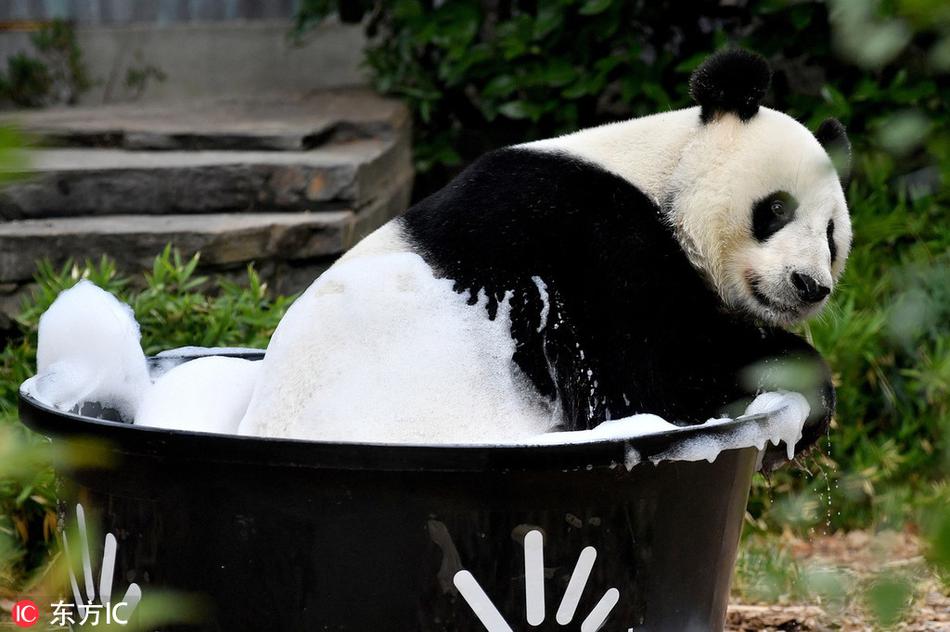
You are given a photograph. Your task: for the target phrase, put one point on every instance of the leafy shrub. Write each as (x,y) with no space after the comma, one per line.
(27,81)
(479,74)
(55,75)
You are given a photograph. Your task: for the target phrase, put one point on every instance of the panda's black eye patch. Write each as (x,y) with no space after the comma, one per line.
(772,213)
(831,240)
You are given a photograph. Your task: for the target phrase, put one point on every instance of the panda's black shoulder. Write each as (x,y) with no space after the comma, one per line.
(522,178)
(525,208)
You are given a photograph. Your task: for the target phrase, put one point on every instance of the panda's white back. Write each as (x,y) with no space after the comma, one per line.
(380,350)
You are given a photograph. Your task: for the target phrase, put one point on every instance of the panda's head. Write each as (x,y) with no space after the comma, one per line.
(757,199)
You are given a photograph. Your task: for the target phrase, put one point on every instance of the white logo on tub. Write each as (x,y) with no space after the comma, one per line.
(491,618)
(90,608)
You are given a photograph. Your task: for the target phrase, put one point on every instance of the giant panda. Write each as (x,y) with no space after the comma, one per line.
(645,266)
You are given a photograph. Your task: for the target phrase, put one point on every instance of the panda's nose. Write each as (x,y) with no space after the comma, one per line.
(809,290)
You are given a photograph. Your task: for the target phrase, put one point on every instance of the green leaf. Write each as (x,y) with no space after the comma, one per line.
(593,7)
(558,73)
(500,86)
(518,110)
(550,17)
(888,598)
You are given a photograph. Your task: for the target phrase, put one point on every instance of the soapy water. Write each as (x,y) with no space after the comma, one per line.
(362,356)
(783,416)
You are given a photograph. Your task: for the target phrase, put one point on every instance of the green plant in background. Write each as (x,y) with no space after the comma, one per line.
(479,74)
(55,75)
(174,308)
(26,82)
(58,47)
(139,76)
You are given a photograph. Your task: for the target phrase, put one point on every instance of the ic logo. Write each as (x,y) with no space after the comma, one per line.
(25,613)
(492,619)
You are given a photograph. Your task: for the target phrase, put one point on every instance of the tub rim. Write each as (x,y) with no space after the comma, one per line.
(189,445)
(163,443)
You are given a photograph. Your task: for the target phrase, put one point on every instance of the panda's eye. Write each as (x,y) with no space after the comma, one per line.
(772,213)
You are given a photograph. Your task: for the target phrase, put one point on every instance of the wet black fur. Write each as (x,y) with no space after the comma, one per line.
(633,327)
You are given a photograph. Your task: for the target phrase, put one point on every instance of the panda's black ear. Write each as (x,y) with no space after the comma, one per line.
(833,137)
(731,80)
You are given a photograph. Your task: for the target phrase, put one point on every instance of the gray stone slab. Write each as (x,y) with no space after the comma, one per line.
(223,239)
(285,122)
(133,241)
(80,182)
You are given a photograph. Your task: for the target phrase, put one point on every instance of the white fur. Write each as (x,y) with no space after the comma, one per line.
(708,177)
(386,239)
(378,350)
(643,151)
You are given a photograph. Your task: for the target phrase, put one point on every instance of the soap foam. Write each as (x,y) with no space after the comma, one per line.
(208,394)
(380,350)
(613,430)
(786,414)
(89,351)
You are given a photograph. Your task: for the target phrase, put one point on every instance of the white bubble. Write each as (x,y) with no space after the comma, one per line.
(89,351)
(208,394)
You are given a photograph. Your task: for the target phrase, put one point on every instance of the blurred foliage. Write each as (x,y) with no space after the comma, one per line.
(479,74)
(55,75)
(879,584)
(13,160)
(174,308)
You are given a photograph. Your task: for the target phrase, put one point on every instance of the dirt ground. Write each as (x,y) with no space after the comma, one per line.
(863,558)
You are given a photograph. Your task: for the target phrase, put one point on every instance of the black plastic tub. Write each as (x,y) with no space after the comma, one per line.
(292,535)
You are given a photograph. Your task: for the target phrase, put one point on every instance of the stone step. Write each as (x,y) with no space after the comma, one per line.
(223,239)
(79,182)
(285,122)
(287,182)
(325,150)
